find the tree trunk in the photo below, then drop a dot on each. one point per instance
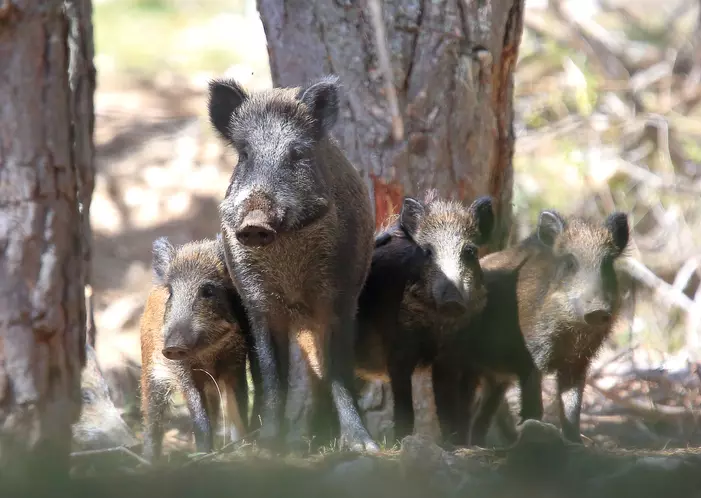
(445, 119)
(42, 310)
(81, 71)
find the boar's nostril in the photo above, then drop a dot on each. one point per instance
(255, 236)
(256, 230)
(175, 353)
(598, 317)
(450, 299)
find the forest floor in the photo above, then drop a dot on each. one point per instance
(161, 172)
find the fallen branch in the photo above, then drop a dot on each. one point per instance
(105, 451)
(665, 292)
(655, 412)
(654, 181)
(228, 447)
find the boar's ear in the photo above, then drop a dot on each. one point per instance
(483, 214)
(163, 252)
(221, 251)
(383, 239)
(220, 248)
(550, 225)
(617, 224)
(322, 100)
(225, 96)
(410, 216)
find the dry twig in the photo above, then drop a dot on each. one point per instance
(386, 67)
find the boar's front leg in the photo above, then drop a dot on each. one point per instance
(195, 400)
(400, 372)
(492, 395)
(530, 382)
(272, 396)
(340, 356)
(570, 389)
(154, 399)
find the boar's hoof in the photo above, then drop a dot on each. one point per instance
(175, 353)
(360, 442)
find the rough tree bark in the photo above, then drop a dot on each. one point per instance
(81, 73)
(42, 309)
(451, 69)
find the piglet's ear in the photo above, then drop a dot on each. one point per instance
(225, 97)
(321, 98)
(483, 214)
(617, 225)
(410, 216)
(163, 252)
(550, 225)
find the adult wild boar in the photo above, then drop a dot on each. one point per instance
(298, 228)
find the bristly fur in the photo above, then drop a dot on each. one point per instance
(294, 180)
(568, 299)
(429, 246)
(218, 331)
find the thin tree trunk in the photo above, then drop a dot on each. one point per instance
(41, 293)
(81, 72)
(445, 118)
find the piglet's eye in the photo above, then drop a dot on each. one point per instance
(428, 251)
(296, 155)
(207, 291)
(243, 155)
(469, 252)
(570, 263)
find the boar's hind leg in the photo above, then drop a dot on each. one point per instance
(570, 389)
(340, 358)
(256, 380)
(492, 395)
(300, 396)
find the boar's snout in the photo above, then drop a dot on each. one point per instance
(178, 344)
(448, 297)
(598, 317)
(595, 312)
(256, 230)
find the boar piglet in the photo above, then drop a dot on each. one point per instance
(100, 425)
(194, 331)
(568, 300)
(298, 230)
(424, 286)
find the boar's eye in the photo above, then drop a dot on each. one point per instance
(243, 154)
(296, 155)
(207, 291)
(469, 252)
(428, 251)
(569, 263)
(87, 396)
